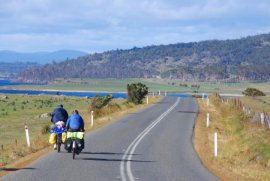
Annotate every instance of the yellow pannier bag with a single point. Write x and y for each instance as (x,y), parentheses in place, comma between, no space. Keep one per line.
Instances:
(52,139)
(64,137)
(79,135)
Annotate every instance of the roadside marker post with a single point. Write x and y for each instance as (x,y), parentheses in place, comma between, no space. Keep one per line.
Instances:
(203,96)
(165,93)
(215,145)
(207,120)
(262,118)
(147,100)
(27,135)
(159,92)
(92,119)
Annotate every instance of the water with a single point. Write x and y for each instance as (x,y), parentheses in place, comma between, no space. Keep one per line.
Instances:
(8,82)
(63,93)
(77,94)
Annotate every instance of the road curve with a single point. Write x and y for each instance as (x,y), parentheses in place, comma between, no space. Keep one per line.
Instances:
(152,144)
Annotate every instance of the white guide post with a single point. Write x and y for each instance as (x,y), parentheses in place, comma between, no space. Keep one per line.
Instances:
(165,93)
(215,145)
(27,135)
(203,96)
(159,92)
(147,101)
(207,120)
(92,119)
(262,118)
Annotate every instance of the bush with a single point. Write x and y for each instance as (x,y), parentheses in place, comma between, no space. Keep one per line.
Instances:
(99,102)
(136,92)
(253,92)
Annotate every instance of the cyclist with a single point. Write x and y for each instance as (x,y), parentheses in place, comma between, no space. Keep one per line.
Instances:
(75,124)
(59,117)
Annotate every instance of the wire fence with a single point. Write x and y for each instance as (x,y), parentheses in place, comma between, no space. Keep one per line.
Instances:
(254,117)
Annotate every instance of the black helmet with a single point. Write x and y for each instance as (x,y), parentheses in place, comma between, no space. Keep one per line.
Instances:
(75,112)
(60,105)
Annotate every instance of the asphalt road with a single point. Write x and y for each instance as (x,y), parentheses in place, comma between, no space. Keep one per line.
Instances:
(155,144)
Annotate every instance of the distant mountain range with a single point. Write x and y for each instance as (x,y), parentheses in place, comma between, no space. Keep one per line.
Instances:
(39,57)
(245,59)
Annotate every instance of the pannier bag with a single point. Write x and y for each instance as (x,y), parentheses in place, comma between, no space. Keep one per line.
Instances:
(52,139)
(64,137)
(74,135)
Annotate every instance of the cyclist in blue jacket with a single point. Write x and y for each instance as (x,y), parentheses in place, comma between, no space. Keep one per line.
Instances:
(75,124)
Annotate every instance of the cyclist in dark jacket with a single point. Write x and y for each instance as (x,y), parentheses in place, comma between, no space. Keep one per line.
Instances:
(59,114)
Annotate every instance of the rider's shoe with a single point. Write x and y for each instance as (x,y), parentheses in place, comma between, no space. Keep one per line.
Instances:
(54,147)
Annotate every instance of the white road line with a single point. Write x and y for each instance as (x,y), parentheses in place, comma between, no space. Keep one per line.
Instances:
(132,147)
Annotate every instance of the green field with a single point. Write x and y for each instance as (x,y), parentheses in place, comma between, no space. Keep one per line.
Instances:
(18,110)
(119,85)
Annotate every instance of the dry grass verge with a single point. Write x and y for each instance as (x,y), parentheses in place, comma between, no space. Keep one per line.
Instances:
(243,148)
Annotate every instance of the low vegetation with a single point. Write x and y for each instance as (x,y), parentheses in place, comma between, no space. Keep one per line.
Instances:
(253,92)
(243,148)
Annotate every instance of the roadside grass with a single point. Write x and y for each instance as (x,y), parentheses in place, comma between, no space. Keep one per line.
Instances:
(243,148)
(35,115)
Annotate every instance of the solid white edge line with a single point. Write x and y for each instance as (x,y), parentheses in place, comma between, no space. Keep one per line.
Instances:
(128,155)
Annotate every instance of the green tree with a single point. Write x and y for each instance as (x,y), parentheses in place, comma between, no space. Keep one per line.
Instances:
(136,92)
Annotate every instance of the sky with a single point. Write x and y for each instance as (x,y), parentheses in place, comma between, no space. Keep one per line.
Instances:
(102,25)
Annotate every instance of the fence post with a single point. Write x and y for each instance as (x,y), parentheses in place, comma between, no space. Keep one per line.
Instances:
(203,96)
(153,94)
(92,119)
(2,147)
(262,118)
(27,135)
(215,145)
(159,92)
(207,120)
(165,93)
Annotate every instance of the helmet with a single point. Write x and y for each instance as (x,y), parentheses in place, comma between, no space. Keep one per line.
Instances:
(60,105)
(75,112)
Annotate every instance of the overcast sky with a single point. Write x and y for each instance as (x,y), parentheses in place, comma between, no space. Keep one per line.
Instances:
(100,25)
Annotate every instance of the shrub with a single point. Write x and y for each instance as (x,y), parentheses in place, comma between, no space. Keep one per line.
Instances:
(253,92)
(99,102)
(136,92)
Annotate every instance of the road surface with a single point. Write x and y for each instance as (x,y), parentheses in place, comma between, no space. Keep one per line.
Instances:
(155,144)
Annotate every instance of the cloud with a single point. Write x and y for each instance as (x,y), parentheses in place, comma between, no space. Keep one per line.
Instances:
(98,25)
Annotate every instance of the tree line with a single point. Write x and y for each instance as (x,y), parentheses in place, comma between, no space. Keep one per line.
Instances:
(245,59)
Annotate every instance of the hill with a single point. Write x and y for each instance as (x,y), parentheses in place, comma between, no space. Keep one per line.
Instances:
(8,70)
(245,59)
(39,57)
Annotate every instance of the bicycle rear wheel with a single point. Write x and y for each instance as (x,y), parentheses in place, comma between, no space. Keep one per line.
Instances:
(73,149)
(59,142)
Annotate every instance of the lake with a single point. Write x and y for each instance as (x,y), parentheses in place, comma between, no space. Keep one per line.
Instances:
(65,93)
